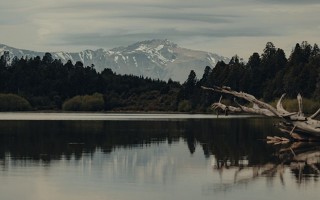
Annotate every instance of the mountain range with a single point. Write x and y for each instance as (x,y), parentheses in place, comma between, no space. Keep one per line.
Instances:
(157,59)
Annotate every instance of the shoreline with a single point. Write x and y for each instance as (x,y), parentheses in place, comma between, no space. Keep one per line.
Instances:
(94,116)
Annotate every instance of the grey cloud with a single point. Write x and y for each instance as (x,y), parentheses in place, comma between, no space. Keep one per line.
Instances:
(209,18)
(288,2)
(9,19)
(109,41)
(122,38)
(173,4)
(10,22)
(119,5)
(111,23)
(157,10)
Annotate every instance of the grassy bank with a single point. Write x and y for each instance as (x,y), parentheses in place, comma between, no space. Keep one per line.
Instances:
(309,106)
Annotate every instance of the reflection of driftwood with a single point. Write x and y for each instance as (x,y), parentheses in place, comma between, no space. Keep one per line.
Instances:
(277,140)
(299,156)
(295,123)
(303,159)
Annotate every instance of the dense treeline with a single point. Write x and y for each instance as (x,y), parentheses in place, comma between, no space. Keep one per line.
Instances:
(48,84)
(266,76)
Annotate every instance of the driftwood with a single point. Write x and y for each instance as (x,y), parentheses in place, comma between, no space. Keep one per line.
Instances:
(296,124)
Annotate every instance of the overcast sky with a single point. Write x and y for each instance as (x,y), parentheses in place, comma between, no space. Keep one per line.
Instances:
(226,27)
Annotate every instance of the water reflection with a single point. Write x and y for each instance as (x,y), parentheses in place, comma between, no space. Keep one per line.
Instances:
(50,140)
(173,158)
(302,159)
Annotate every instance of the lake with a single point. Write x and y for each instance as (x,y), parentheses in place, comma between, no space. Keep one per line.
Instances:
(81,156)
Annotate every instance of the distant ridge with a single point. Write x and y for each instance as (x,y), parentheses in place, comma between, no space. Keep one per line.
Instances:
(157,59)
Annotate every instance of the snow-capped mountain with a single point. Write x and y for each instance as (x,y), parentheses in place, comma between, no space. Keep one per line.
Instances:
(157,59)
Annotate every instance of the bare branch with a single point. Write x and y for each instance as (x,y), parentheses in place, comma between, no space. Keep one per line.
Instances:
(307,125)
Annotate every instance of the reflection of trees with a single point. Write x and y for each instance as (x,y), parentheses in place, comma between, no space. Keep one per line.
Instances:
(47,140)
(302,159)
(235,143)
(227,139)
(231,139)
(50,140)
(237,147)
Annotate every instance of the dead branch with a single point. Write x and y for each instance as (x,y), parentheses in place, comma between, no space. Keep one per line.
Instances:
(294,120)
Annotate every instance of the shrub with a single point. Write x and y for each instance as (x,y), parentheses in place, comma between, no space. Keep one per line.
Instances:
(73,104)
(184,106)
(93,102)
(12,102)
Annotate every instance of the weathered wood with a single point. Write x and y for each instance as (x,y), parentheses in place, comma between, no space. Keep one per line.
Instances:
(296,123)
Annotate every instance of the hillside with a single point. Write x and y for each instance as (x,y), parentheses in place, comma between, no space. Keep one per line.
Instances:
(156,59)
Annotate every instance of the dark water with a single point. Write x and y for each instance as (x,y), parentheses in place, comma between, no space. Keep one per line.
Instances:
(153,158)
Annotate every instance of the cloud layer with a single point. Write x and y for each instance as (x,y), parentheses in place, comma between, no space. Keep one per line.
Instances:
(227,27)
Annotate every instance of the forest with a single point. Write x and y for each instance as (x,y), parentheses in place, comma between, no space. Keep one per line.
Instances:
(48,84)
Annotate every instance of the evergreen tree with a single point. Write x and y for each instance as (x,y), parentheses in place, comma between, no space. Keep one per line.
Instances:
(254,61)
(4,59)
(47,58)
(190,90)
(215,77)
(315,51)
(205,78)
(254,74)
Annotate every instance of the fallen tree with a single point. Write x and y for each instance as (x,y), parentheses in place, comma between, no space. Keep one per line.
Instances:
(296,124)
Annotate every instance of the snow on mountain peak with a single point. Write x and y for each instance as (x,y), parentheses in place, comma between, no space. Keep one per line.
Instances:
(158,59)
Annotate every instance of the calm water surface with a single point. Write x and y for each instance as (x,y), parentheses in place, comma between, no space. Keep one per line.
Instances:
(134,157)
